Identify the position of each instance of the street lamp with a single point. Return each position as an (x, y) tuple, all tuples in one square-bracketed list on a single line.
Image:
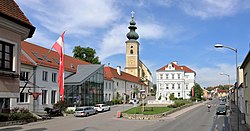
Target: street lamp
[(236, 53), (229, 89)]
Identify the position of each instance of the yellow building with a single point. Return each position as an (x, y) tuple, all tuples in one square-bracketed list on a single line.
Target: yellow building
[(246, 81), (134, 65)]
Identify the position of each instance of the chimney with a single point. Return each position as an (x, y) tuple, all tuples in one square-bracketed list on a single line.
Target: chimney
[(118, 69), (175, 62)]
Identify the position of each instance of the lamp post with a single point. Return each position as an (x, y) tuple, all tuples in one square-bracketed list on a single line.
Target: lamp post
[(236, 53), (229, 89)]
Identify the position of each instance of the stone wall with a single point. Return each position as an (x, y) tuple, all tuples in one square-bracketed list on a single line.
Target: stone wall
[(151, 117)]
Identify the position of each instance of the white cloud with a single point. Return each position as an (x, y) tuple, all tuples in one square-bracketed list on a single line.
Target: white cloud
[(210, 8), (77, 17), (210, 76)]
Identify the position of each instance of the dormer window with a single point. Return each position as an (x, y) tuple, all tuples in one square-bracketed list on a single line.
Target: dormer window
[(46, 58), (56, 60), (71, 66), (37, 56)]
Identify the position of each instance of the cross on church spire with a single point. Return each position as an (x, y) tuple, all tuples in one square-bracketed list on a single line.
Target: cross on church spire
[(132, 14)]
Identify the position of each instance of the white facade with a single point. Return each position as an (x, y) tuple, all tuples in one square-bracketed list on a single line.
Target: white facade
[(170, 80), (108, 90)]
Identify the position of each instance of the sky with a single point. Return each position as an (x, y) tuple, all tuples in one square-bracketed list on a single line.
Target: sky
[(170, 30)]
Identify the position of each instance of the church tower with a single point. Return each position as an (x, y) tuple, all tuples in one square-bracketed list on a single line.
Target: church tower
[(132, 49)]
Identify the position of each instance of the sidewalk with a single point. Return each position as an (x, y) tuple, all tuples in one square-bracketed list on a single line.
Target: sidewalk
[(233, 120)]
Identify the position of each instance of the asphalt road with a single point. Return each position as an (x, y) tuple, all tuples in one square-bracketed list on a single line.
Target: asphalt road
[(194, 118)]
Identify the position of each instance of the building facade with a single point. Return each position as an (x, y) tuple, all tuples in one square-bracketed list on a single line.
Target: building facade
[(14, 28), (246, 81), (123, 84), (174, 79), (39, 69), (85, 87), (134, 65)]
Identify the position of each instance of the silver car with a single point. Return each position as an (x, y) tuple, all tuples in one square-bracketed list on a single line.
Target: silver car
[(84, 111)]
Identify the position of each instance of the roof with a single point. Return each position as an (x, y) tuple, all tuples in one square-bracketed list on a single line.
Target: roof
[(221, 91), (25, 60), (11, 11), (246, 61), (177, 67), (110, 73), (52, 59), (83, 72)]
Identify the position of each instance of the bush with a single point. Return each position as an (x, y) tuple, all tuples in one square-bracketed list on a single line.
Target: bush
[(60, 105), (20, 116), (4, 117), (116, 101), (70, 111)]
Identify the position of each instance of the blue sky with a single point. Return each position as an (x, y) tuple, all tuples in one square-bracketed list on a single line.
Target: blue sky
[(170, 30)]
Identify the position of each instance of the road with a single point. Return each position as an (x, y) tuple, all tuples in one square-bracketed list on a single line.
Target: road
[(194, 118)]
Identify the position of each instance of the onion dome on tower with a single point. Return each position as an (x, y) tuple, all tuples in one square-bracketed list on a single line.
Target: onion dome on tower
[(132, 35)]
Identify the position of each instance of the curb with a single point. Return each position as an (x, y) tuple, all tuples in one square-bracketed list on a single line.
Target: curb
[(156, 116)]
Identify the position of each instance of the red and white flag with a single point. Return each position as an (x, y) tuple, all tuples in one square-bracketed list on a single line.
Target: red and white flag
[(59, 47)]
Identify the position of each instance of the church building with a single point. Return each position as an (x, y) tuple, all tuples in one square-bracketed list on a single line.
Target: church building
[(134, 65)]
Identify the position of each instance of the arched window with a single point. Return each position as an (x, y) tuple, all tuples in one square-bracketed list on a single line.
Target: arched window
[(131, 51)]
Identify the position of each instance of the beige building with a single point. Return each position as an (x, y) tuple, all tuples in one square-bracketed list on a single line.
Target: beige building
[(134, 65), (246, 80), (14, 28)]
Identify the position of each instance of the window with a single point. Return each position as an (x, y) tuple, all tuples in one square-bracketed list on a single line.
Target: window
[(46, 58), (166, 76), (44, 96), (106, 97), (172, 86), (161, 76), (6, 56), (131, 51), (245, 80), (166, 86), (53, 96), (56, 61), (179, 76), (117, 83), (106, 85), (24, 76), (23, 98), (186, 87), (109, 85), (45, 76), (54, 77), (37, 56), (109, 97), (179, 86), (172, 76), (179, 94)]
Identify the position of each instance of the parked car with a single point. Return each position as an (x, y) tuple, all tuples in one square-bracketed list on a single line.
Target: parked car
[(221, 110), (102, 107), (134, 101), (53, 111), (84, 111)]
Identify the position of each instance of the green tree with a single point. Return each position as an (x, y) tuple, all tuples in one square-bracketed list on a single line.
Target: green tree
[(87, 54), (198, 92), (209, 88), (171, 97)]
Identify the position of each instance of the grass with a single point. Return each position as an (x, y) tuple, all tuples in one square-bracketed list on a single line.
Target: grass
[(148, 110)]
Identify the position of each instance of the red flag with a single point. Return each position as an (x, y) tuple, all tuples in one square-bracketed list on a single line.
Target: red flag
[(59, 47)]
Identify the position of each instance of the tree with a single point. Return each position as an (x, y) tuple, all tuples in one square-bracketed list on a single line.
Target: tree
[(171, 97), (198, 92), (87, 54)]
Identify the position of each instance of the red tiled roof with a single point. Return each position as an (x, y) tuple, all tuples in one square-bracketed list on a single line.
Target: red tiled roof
[(11, 11), (110, 73), (25, 60), (177, 67), (30, 48)]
